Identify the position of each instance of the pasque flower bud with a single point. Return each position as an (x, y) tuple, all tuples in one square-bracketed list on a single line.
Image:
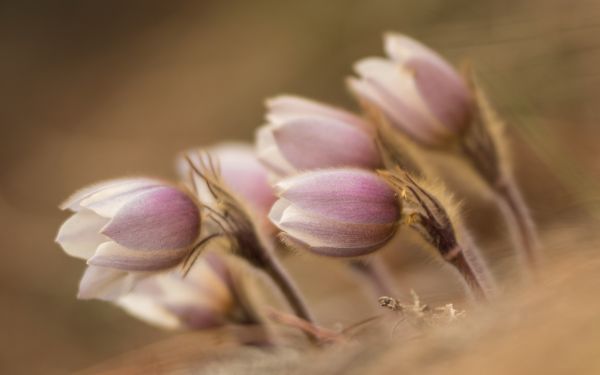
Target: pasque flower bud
[(304, 135), (202, 298), (134, 224), (421, 94), (337, 212), (239, 169)]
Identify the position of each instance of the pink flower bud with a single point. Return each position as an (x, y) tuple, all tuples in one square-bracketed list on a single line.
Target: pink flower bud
[(124, 225), (304, 135), (420, 93), (337, 212), (200, 299), (239, 169)]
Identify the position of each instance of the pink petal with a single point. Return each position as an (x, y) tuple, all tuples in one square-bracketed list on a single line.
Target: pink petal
[(239, 168), (438, 82), (73, 202), (287, 107), (338, 252), (113, 255), (374, 93), (402, 48), (108, 201), (269, 154), (160, 218), (393, 88), (328, 236), (104, 283), (244, 174), (331, 144), (346, 195), (200, 299), (196, 317), (80, 234), (447, 97), (149, 309)]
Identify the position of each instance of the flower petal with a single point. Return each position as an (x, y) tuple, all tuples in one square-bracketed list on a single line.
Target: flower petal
[(393, 88), (148, 309), (327, 236), (107, 201), (288, 107), (80, 234), (244, 174), (446, 95), (337, 252), (402, 48), (104, 283), (200, 299), (268, 153), (331, 144), (439, 83), (113, 255), (73, 202), (345, 195), (196, 317), (160, 218)]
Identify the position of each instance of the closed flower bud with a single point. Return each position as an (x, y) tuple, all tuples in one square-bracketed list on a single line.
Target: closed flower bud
[(304, 135), (338, 212), (200, 299), (127, 225), (238, 168), (420, 93)]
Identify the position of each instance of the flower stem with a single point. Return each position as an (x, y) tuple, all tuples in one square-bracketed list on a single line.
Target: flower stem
[(378, 275), (289, 289), (517, 216), (272, 266), (467, 261), (252, 335)]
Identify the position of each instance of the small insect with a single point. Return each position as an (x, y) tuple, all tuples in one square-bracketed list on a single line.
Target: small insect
[(419, 314), (395, 305), (390, 303)]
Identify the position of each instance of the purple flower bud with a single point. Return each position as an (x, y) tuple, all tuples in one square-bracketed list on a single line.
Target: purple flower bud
[(304, 135), (337, 212), (128, 225), (200, 299), (239, 169), (420, 93)]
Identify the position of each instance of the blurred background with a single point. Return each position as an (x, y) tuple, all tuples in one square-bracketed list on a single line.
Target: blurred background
[(95, 90)]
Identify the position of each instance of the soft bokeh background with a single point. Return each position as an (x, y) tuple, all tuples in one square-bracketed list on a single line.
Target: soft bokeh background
[(94, 90)]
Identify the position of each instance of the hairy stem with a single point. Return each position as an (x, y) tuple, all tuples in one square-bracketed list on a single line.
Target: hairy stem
[(323, 335), (377, 274), (466, 260), (517, 216), (272, 266), (289, 289), (252, 335)]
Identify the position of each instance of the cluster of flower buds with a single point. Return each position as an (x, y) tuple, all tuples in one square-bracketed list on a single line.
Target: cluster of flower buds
[(303, 135), (316, 175), (423, 97)]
